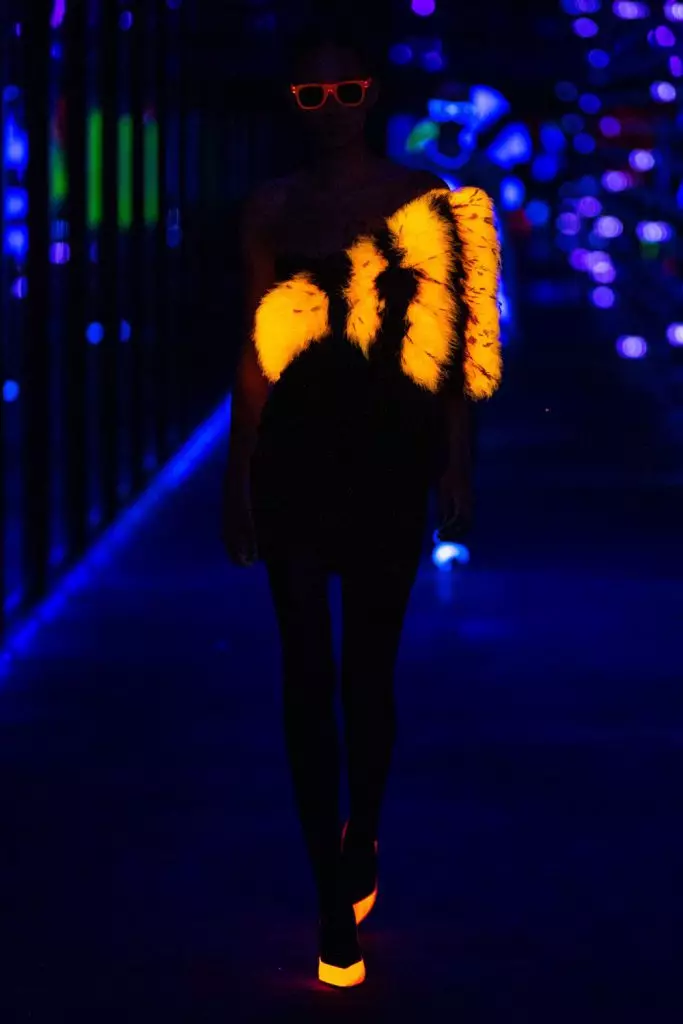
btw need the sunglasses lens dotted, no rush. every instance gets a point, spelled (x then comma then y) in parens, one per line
(350, 93)
(311, 96)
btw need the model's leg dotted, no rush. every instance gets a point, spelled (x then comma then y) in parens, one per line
(375, 598)
(299, 588)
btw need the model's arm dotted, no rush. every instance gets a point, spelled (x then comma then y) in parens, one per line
(251, 387)
(455, 489)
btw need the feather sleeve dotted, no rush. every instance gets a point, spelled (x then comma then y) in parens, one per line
(422, 239)
(474, 219)
(290, 317)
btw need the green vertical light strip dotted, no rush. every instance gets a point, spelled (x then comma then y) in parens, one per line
(94, 168)
(125, 175)
(59, 180)
(151, 171)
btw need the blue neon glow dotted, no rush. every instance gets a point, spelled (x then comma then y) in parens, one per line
(584, 143)
(462, 112)
(94, 333)
(125, 331)
(15, 146)
(58, 13)
(513, 146)
(432, 61)
(212, 432)
(445, 554)
(452, 182)
(489, 104)
(631, 347)
(538, 212)
(10, 391)
(512, 193)
(16, 204)
(400, 53)
(598, 58)
(19, 288)
(545, 167)
(553, 138)
(16, 241)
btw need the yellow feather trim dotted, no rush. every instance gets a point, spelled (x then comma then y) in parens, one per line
(423, 238)
(473, 212)
(364, 317)
(289, 318)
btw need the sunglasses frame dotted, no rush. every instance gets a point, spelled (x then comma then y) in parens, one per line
(331, 89)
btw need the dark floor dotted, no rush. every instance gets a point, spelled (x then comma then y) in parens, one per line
(532, 843)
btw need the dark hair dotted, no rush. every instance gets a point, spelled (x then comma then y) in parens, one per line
(361, 39)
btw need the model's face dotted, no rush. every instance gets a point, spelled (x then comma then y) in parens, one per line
(333, 126)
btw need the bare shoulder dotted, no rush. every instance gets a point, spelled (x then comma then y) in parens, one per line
(264, 206)
(425, 181)
(411, 182)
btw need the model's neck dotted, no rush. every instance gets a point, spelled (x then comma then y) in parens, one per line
(344, 166)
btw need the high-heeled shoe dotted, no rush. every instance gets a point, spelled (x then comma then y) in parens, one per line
(340, 961)
(359, 864)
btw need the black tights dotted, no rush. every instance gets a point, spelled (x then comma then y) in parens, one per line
(374, 601)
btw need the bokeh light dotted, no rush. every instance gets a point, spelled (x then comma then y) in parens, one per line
(10, 391)
(663, 92)
(654, 231)
(423, 7)
(617, 181)
(584, 143)
(610, 127)
(674, 334)
(630, 11)
(589, 206)
(590, 103)
(631, 346)
(585, 28)
(566, 91)
(400, 53)
(641, 160)
(94, 333)
(598, 58)
(608, 227)
(603, 297)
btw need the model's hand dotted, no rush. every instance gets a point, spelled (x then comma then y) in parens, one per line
(455, 504)
(239, 535)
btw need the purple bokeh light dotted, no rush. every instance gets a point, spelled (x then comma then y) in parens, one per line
(654, 231)
(585, 28)
(610, 127)
(58, 13)
(631, 346)
(423, 8)
(661, 36)
(673, 11)
(603, 297)
(629, 10)
(60, 252)
(617, 181)
(641, 160)
(608, 227)
(663, 92)
(19, 287)
(568, 224)
(589, 206)
(674, 334)
(676, 67)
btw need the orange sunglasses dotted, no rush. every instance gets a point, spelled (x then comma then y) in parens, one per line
(314, 95)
